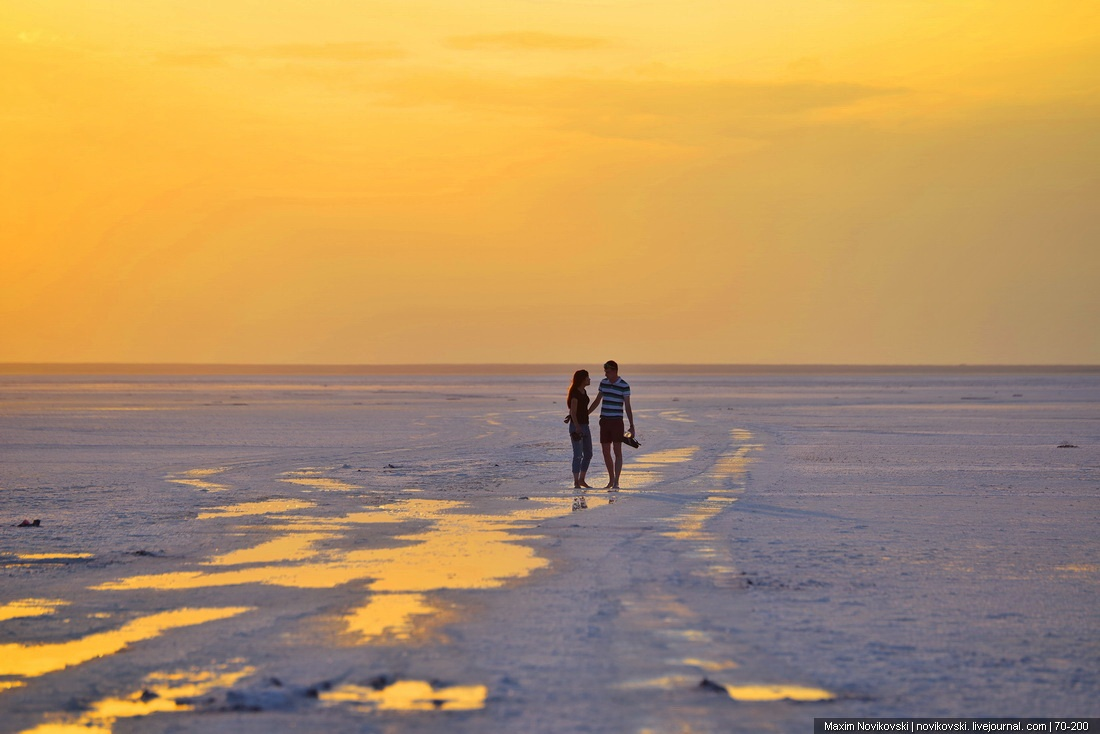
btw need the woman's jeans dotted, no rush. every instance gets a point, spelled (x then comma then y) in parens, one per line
(582, 449)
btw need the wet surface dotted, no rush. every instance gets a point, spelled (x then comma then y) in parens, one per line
(197, 479)
(408, 696)
(160, 693)
(31, 660)
(30, 608)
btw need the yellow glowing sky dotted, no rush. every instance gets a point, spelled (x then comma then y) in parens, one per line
(395, 181)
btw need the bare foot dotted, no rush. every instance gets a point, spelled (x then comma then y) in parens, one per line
(584, 485)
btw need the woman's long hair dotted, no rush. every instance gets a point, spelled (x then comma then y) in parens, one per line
(578, 382)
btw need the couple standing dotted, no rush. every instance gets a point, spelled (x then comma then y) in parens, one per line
(615, 396)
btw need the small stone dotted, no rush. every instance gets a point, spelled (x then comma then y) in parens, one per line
(708, 685)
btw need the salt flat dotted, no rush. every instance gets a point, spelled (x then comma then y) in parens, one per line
(401, 553)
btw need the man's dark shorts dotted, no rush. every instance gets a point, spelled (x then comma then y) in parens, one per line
(611, 430)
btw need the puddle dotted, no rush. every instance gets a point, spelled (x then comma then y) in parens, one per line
(666, 456)
(313, 479)
(195, 478)
(765, 692)
(159, 693)
(30, 661)
(295, 547)
(633, 478)
(689, 524)
(264, 507)
(645, 469)
(455, 550)
(777, 693)
(389, 617)
(409, 696)
(727, 480)
(30, 608)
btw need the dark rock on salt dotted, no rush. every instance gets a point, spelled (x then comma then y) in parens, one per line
(258, 700)
(381, 682)
(708, 685)
(315, 690)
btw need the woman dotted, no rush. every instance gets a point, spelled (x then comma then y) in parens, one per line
(577, 400)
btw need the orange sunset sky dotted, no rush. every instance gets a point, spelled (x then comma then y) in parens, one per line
(404, 181)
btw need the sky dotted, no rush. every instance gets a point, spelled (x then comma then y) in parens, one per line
(550, 181)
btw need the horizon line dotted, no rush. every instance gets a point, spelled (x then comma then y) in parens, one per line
(463, 368)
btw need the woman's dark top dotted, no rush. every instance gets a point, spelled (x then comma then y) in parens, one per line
(582, 405)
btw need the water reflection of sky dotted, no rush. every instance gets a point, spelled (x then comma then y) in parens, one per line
(198, 478)
(645, 469)
(160, 692)
(454, 550)
(32, 660)
(408, 696)
(30, 608)
(315, 479)
(749, 692)
(446, 549)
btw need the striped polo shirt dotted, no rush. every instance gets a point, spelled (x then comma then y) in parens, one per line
(614, 395)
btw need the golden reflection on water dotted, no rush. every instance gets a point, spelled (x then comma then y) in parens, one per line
(644, 469)
(159, 693)
(462, 551)
(30, 608)
(388, 616)
(54, 556)
(409, 696)
(34, 660)
(666, 456)
(287, 548)
(455, 551)
(778, 693)
(194, 478)
(753, 692)
(732, 465)
(312, 478)
(728, 477)
(689, 524)
(264, 507)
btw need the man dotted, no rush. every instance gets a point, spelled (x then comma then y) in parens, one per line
(614, 400)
